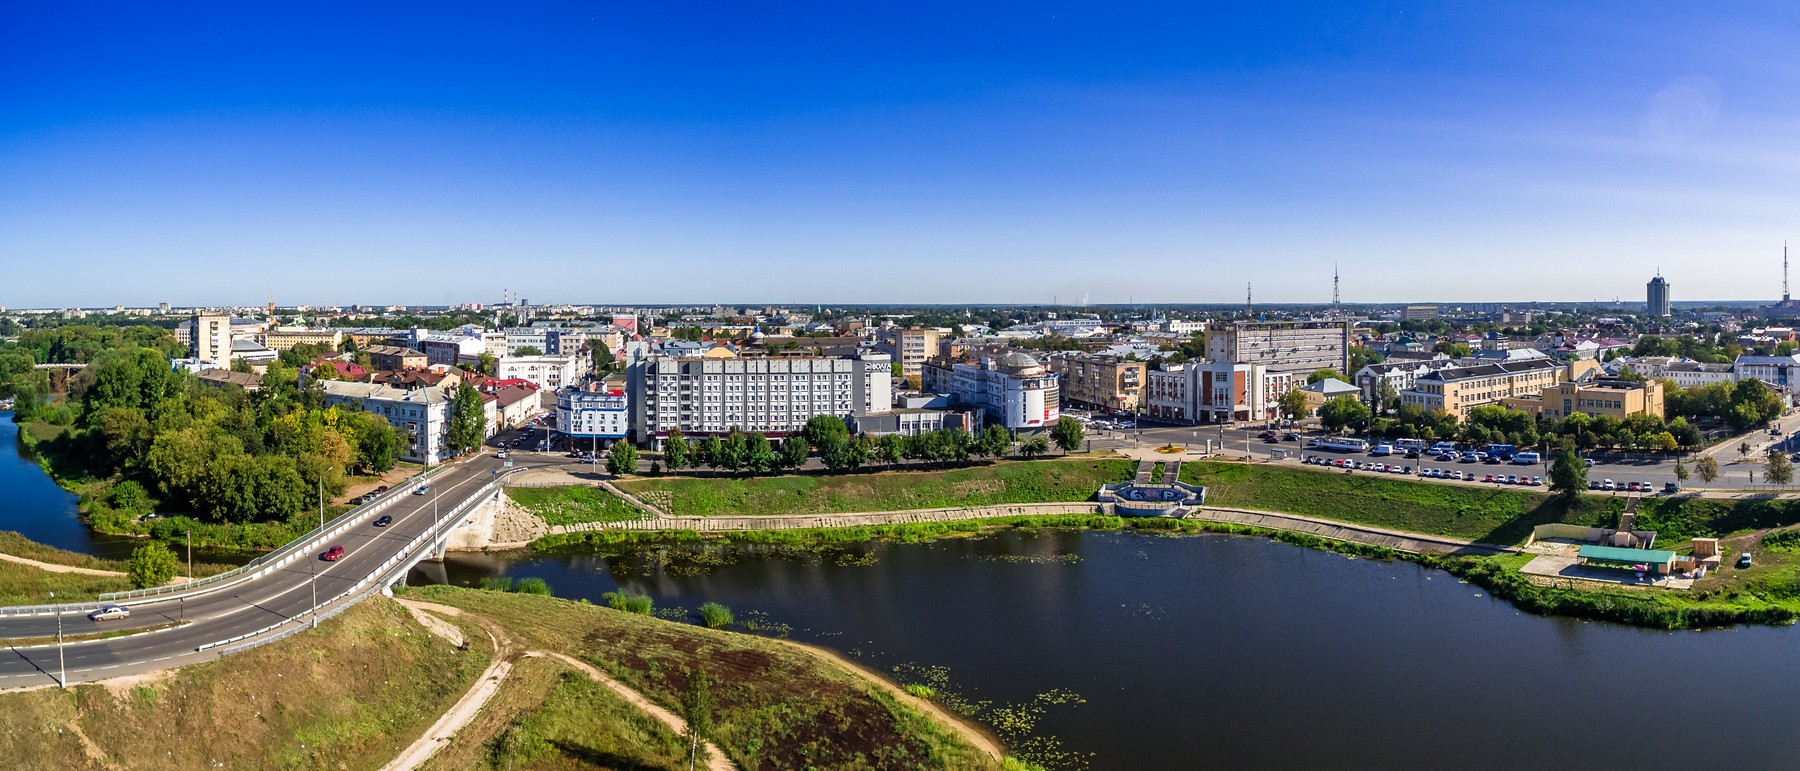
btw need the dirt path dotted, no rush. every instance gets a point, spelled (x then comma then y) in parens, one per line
(466, 708)
(970, 733)
(55, 568)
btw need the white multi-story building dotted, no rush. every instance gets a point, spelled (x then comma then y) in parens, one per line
(1401, 374)
(1688, 374)
(587, 415)
(422, 415)
(547, 372)
(1214, 392)
(448, 349)
(1282, 346)
(1782, 372)
(210, 341)
(712, 395)
(1013, 390)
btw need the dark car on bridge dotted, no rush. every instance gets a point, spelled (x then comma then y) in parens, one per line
(383, 521)
(332, 554)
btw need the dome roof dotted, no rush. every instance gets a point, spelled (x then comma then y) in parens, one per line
(1018, 360)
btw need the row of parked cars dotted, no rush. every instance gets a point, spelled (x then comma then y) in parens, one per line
(1632, 487)
(1425, 473)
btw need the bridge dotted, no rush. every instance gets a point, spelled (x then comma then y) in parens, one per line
(279, 594)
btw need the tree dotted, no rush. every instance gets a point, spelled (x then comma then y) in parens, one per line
(1387, 397)
(603, 356)
(712, 452)
(1292, 404)
(760, 456)
(995, 440)
(152, 565)
(468, 423)
(621, 459)
(1033, 447)
(487, 364)
(1707, 469)
(794, 452)
(1568, 474)
(1778, 469)
(1681, 471)
(1325, 373)
(1342, 412)
(890, 449)
(696, 709)
(1067, 434)
(676, 454)
(528, 350)
(819, 427)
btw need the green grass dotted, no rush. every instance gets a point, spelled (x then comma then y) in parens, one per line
(348, 695)
(776, 706)
(1489, 514)
(27, 585)
(1044, 481)
(568, 505)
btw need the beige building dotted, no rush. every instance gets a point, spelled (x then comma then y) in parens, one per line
(1618, 398)
(1101, 382)
(394, 357)
(1282, 346)
(909, 347)
(210, 339)
(1457, 390)
(1419, 313)
(284, 338)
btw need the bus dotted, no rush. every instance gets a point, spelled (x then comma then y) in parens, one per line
(1340, 444)
(1409, 444)
(1502, 451)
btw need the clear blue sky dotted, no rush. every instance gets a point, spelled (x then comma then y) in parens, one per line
(906, 152)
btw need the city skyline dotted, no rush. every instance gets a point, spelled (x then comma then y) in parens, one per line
(872, 155)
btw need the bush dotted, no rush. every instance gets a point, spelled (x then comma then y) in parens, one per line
(921, 691)
(497, 584)
(533, 586)
(715, 616)
(630, 602)
(152, 565)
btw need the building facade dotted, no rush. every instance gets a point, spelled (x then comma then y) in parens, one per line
(210, 340)
(1013, 390)
(702, 395)
(1780, 372)
(551, 373)
(599, 414)
(282, 338)
(1282, 346)
(1656, 297)
(421, 415)
(1214, 392)
(909, 346)
(1457, 390)
(1618, 398)
(1099, 382)
(393, 357)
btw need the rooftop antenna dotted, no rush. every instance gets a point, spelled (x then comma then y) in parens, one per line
(1335, 313)
(1784, 285)
(1248, 311)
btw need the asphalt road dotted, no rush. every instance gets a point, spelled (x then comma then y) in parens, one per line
(238, 609)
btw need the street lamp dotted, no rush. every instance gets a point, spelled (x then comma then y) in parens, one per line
(62, 681)
(314, 582)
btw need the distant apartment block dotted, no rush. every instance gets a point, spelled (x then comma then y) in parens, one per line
(210, 340)
(1099, 382)
(706, 395)
(283, 338)
(1618, 398)
(1656, 297)
(421, 415)
(394, 357)
(1419, 313)
(1282, 346)
(909, 346)
(1781, 372)
(550, 373)
(1400, 374)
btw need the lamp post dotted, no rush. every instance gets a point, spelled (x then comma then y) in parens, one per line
(62, 664)
(314, 582)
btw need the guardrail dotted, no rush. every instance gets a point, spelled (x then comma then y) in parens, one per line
(439, 530)
(282, 556)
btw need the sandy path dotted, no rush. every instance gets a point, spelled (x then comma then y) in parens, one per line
(970, 733)
(466, 708)
(55, 568)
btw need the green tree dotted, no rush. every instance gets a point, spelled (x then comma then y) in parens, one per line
(794, 452)
(676, 454)
(1325, 373)
(696, 710)
(152, 564)
(603, 357)
(621, 459)
(1387, 397)
(468, 424)
(1033, 447)
(1292, 404)
(819, 427)
(890, 449)
(995, 440)
(1067, 434)
(712, 452)
(1681, 471)
(486, 364)
(1362, 357)
(528, 350)
(1777, 469)
(1707, 469)
(1568, 473)
(759, 455)
(1343, 412)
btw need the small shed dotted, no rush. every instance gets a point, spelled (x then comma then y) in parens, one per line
(1653, 561)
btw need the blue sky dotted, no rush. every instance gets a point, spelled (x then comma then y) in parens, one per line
(887, 152)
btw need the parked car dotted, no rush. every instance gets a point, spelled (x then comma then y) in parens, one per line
(381, 489)
(1607, 484)
(1290, 437)
(1537, 481)
(384, 520)
(111, 612)
(1593, 484)
(332, 554)
(1489, 478)
(1744, 560)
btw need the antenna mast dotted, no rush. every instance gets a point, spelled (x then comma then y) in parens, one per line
(1247, 311)
(1784, 284)
(1335, 313)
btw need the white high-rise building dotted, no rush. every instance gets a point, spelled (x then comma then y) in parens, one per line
(210, 341)
(777, 395)
(1013, 390)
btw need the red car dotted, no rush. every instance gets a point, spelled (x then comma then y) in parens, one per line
(332, 554)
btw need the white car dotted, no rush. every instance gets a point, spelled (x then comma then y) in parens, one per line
(109, 613)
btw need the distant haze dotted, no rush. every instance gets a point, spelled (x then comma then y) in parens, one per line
(892, 153)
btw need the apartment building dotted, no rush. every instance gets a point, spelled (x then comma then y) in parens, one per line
(1780, 372)
(1688, 374)
(283, 338)
(210, 339)
(1214, 392)
(706, 395)
(1604, 396)
(1099, 382)
(1419, 313)
(1400, 374)
(908, 346)
(1282, 346)
(597, 413)
(547, 372)
(1457, 390)
(1013, 390)
(421, 415)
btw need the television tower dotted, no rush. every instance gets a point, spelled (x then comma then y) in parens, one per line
(1784, 286)
(1335, 313)
(1247, 311)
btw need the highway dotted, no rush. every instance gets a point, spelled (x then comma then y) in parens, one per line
(235, 608)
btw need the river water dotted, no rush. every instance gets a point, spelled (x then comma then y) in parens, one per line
(1201, 651)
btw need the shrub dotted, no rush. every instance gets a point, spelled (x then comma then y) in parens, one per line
(921, 691)
(715, 616)
(630, 602)
(497, 584)
(533, 586)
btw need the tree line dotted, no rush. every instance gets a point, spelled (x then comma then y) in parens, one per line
(754, 452)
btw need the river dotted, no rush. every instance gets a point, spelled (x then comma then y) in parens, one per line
(43, 512)
(1203, 651)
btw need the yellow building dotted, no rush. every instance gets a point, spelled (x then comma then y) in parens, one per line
(1457, 390)
(909, 347)
(1101, 382)
(1618, 398)
(283, 338)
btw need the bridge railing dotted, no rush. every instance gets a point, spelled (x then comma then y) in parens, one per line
(439, 530)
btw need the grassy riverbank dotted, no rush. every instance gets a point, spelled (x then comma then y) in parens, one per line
(22, 584)
(776, 706)
(348, 695)
(571, 504)
(1041, 481)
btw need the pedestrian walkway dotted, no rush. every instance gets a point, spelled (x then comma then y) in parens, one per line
(856, 519)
